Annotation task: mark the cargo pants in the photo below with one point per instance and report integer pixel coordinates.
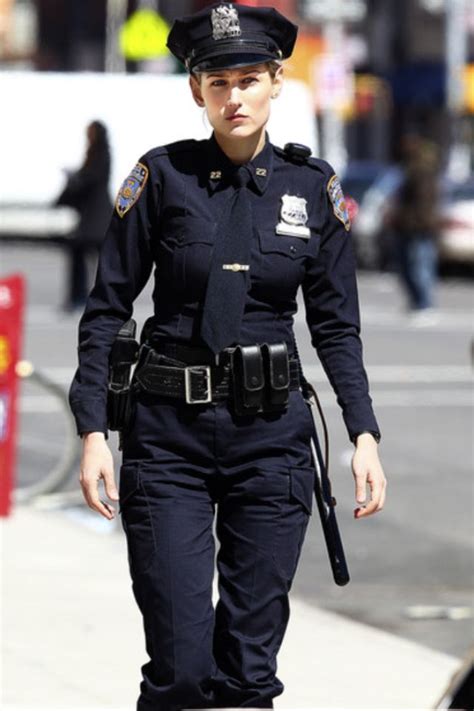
(186, 469)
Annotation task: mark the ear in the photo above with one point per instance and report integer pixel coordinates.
(277, 83)
(196, 91)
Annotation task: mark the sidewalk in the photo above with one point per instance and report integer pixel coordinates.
(72, 635)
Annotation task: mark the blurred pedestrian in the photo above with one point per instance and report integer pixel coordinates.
(87, 192)
(415, 218)
(231, 226)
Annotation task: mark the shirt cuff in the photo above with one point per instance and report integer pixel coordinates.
(375, 434)
(359, 417)
(90, 416)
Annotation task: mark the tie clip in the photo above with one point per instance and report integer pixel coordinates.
(235, 267)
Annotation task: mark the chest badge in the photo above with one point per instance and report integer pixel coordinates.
(293, 217)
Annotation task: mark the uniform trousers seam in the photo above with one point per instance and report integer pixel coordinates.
(155, 543)
(171, 598)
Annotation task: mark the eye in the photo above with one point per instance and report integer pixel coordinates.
(218, 82)
(249, 80)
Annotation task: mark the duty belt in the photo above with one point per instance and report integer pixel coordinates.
(255, 378)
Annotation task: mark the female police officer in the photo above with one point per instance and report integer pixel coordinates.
(232, 226)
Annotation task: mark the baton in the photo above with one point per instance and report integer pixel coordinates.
(324, 498)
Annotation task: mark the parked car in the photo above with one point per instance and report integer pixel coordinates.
(457, 224)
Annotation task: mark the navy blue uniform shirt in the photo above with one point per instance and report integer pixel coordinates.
(165, 221)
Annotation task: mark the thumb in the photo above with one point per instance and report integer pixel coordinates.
(109, 484)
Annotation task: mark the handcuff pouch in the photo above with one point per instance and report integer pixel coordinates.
(277, 375)
(247, 379)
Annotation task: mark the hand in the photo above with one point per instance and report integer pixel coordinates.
(97, 463)
(367, 469)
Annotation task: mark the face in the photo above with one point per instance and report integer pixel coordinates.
(237, 101)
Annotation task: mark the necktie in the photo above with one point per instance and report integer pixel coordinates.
(228, 277)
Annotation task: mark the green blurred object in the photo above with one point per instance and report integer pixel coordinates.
(143, 36)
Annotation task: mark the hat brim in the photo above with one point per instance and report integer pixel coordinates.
(232, 61)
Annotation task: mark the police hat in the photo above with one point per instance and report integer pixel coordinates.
(226, 35)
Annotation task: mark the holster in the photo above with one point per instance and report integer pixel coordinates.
(123, 355)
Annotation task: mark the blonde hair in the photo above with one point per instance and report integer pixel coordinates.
(273, 66)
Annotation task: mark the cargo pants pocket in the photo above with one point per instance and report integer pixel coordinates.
(293, 520)
(136, 519)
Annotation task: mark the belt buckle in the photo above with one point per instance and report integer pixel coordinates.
(191, 370)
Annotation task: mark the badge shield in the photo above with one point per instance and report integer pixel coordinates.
(225, 22)
(294, 217)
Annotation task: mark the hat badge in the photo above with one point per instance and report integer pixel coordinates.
(225, 22)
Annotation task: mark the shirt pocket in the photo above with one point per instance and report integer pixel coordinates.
(282, 263)
(293, 247)
(187, 246)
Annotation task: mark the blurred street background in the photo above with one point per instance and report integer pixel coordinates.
(366, 74)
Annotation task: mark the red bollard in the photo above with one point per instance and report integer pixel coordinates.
(12, 290)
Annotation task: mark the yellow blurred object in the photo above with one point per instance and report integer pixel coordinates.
(469, 88)
(143, 36)
(5, 354)
(301, 64)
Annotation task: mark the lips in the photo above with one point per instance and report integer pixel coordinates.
(235, 117)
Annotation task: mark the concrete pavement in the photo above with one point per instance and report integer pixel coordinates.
(72, 636)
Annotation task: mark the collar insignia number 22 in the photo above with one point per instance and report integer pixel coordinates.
(131, 189)
(339, 204)
(293, 217)
(225, 22)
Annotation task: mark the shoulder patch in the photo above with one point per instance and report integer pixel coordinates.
(338, 201)
(131, 189)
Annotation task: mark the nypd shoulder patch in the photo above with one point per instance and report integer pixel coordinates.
(131, 189)
(339, 204)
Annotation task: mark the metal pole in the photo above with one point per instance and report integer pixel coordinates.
(332, 123)
(116, 16)
(456, 58)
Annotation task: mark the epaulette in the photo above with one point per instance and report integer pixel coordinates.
(189, 144)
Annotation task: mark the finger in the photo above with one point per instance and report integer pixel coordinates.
(103, 508)
(84, 489)
(109, 484)
(361, 488)
(382, 500)
(366, 510)
(375, 504)
(108, 507)
(91, 494)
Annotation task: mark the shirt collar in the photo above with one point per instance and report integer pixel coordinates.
(220, 167)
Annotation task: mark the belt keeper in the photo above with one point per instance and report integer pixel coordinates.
(248, 379)
(277, 373)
